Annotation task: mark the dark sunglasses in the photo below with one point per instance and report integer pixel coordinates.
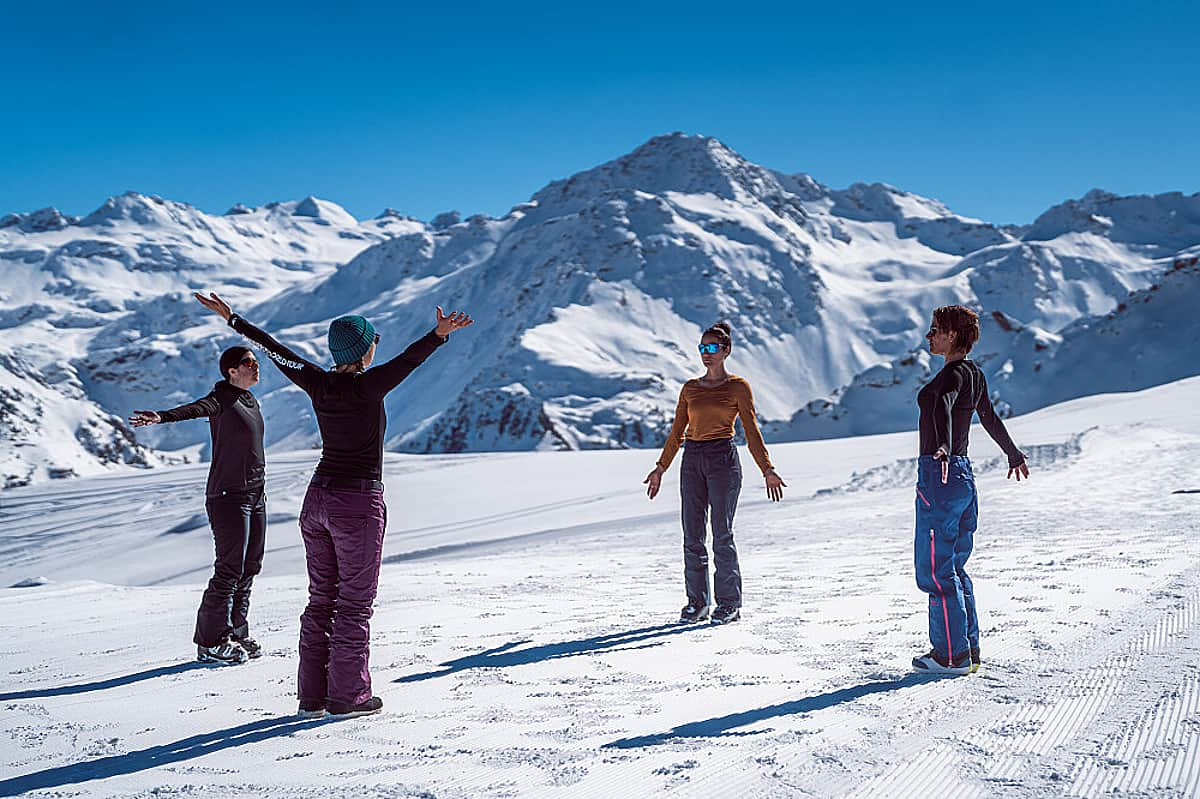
(249, 360)
(376, 338)
(709, 349)
(933, 330)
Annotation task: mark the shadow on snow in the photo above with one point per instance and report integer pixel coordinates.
(100, 685)
(155, 756)
(507, 655)
(723, 726)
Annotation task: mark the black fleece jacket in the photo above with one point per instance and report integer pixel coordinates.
(235, 419)
(947, 403)
(349, 405)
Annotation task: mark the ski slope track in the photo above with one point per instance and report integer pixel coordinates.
(524, 640)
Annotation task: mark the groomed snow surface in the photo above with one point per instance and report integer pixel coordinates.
(524, 644)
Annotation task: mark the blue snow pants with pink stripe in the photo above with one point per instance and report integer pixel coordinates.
(947, 515)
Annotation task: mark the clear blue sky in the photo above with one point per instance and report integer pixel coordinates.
(999, 110)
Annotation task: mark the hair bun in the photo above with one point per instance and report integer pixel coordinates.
(722, 332)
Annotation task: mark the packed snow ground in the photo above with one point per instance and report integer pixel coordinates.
(524, 646)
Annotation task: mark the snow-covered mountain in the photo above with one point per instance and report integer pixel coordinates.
(96, 315)
(588, 298)
(1148, 338)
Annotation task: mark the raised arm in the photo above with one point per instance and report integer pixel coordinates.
(293, 365)
(383, 378)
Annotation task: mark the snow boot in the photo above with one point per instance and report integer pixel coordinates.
(338, 710)
(693, 612)
(311, 708)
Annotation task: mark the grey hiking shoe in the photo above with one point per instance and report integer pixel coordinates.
(225, 653)
(252, 647)
(693, 613)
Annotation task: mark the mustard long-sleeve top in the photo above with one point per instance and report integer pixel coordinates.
(707, 414)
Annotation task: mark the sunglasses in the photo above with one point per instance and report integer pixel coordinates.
(933, 330)
(376, 338)
(248, 361)
(709, 349)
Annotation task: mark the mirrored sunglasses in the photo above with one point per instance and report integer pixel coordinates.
(709, 349)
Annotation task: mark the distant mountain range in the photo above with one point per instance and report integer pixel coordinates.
(588, 300)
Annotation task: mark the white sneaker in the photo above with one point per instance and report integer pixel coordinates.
(933, 663)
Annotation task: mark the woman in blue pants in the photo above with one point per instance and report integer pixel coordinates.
(947, 505)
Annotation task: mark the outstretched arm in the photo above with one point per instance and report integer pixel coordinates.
(205, 406)
(293, 365)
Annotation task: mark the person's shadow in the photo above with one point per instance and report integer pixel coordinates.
(155, 756)
(100, 685)
(507, 655)
(725, 726)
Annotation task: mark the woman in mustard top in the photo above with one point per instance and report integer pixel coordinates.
(712, 476)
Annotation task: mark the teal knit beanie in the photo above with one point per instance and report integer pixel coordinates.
(349, 338)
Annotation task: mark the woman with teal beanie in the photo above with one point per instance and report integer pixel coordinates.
(343, 517)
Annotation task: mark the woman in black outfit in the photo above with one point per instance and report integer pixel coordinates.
(236, 503)
(946, 502)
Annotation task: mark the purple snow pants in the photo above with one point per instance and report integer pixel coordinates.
(342, 522)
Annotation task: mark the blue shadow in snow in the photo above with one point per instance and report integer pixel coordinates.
(506, 655)
(100, 685)
(723, 726)
(155, 756)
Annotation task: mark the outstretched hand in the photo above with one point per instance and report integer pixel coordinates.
(1020, 470)
(653, 482)
(775, 486)
(455, 321)
(215, 304)
(941, 455)
(143, 418)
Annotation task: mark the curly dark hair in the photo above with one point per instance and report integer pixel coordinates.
(962, 322)
(722, 332)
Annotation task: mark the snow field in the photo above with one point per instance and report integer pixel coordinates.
(547, 665)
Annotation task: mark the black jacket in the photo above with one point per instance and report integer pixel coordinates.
(947, 404)
(349, 405)
(234, 416)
